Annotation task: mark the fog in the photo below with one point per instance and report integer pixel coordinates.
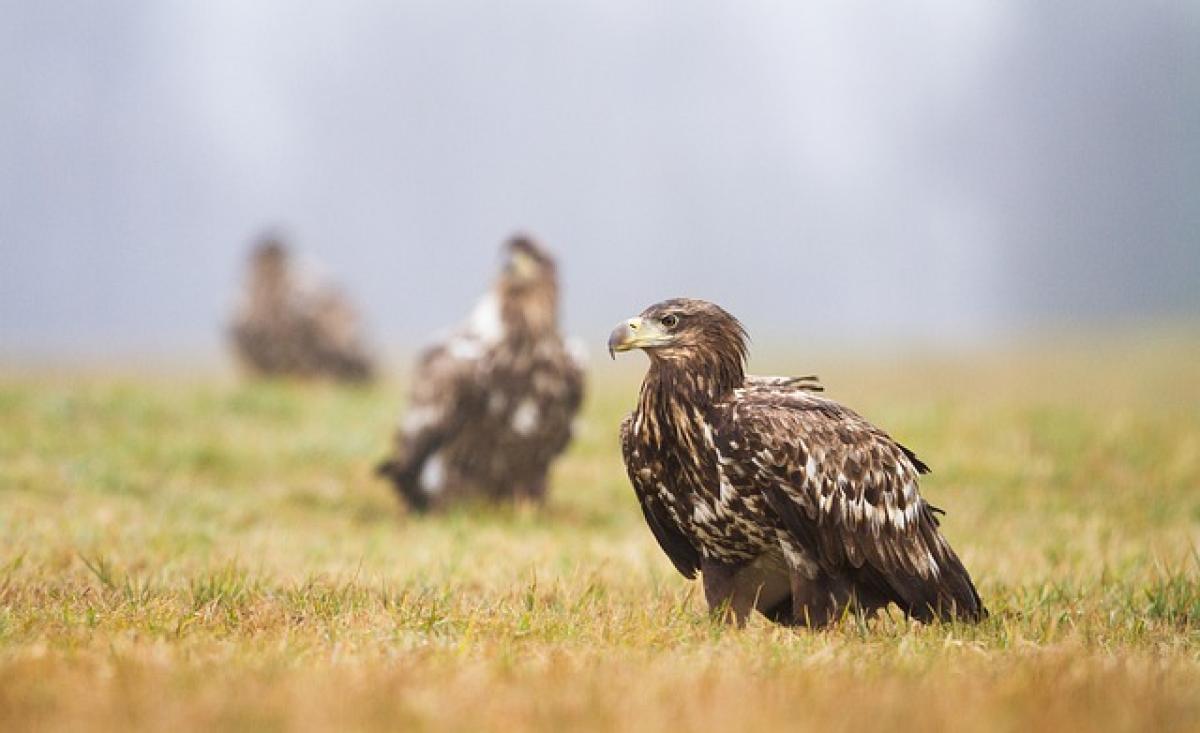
(945, 171)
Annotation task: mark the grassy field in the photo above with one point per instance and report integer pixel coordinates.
(183, 553)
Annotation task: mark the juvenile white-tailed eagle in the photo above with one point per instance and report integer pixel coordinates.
(492, 405)
(785, 501)
(291, 323)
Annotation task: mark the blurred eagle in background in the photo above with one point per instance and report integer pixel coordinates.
(491, 405)
(291, 323)
(785, 501)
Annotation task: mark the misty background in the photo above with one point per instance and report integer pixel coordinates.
(941, 171)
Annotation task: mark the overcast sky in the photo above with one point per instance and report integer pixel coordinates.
(936, 170)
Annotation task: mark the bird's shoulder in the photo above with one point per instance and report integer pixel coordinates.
(808, 382)
(785, 423)
(839, 483)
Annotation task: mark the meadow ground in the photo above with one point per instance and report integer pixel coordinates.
(183, 553)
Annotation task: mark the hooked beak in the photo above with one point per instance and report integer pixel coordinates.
(636, 333)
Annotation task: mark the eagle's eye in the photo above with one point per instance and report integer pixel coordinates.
(670, 320)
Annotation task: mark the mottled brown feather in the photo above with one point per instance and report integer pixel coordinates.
(730, 469)
(492, 405)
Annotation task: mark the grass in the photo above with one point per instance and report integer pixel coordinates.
(194, 553)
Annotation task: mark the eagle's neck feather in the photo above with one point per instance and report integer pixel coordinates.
(676, 399)
(529, 313)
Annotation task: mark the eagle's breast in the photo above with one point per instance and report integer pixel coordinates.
(726, 523)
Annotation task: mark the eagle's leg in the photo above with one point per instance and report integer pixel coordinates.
(533, 490)
(734, 590)
(720, 591)
(821, 601)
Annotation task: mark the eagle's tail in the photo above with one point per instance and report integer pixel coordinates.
(960, 598)
(950, 596)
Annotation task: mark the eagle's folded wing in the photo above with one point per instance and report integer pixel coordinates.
(678, 547)
(443, 392)
(847, 492)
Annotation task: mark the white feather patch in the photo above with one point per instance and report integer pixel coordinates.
(525, 418)
(577, 350)
(417, 419)
(464, 348)
(433, 475)
(702, 513)
(485, 322)
(798, 560)
(724, 490)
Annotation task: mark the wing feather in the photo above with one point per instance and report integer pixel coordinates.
(846, 490)
(444, 386)
(808, 382)
(682, 553)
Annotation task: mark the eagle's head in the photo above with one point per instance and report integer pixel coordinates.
(694, 335)
(527, 265)
(269, 258)
(269, 278)
(528, 287)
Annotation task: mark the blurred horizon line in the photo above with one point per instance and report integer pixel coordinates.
(1134, 333)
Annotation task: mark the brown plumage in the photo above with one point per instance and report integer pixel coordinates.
(785, 501)
(290, 324)
(492, 405)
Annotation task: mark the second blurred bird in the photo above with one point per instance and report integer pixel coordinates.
(290, 322)
(491, 406)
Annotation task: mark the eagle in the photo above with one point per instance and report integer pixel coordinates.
(786, 502)
(291, 323)
(492, 405)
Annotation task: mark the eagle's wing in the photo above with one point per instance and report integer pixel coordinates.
(573, 372)
(809, 382)
(846, 491)
(559, 393)
(446, 385)
(678, 547)
(444, 390)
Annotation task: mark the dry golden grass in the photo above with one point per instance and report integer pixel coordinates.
(194, 554)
